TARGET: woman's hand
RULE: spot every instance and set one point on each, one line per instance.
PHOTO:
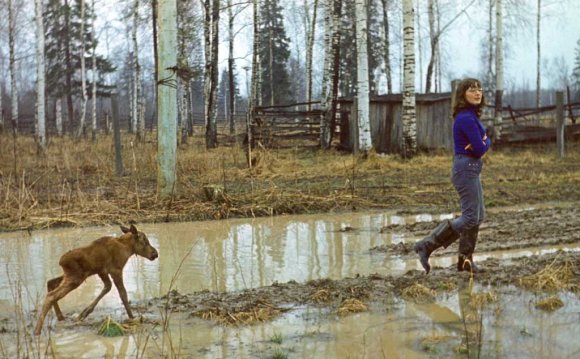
(470, 147)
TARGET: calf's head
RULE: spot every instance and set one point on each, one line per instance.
(141, 244)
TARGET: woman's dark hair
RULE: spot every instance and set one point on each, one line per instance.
(459, 102)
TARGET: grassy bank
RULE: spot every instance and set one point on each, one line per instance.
(74, 182)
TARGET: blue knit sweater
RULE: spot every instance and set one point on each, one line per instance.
(468, 129)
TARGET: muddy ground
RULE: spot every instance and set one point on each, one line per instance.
(545, 227)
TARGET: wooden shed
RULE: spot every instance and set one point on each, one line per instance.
(434, 122)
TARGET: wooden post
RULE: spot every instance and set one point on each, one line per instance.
(353, 123)
(117, 135)
(560, 123)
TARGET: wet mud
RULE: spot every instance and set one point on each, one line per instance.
(501, 231)
(518, 229)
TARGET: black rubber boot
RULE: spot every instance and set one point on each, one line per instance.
(467, 242)
(442, 236)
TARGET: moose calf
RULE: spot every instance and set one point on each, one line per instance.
(105, 257)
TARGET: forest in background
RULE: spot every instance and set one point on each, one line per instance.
(227, 57)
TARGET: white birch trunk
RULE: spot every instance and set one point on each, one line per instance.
(538, 59)
(211, 26)
(408, 117)
(309, 51)
(498, 68)
(94, 78)
(364, 128)
(328, 26)
(58, 116)
(12, 59)
(82, 125)
(387, 54)
(231, 100)
(40, 77)
(167, 98)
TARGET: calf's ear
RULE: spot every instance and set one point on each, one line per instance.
(125, 229)
(134, 229)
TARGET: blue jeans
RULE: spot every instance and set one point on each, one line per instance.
(465, 176)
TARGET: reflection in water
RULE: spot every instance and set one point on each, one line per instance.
(237, 254)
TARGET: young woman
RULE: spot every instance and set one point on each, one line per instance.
(470, 144)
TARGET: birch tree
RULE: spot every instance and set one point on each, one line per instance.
(211, 33)
(364, 127)
(498, 68)
(81, 129)
(94, 78)
(329, 98)
(538, 58)
(40, 77)
(408, 116)
(256, 78)
(387, 46)
(12, 59)
(166, 97)
(310, 48)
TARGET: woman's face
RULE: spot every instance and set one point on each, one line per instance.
(473, 95)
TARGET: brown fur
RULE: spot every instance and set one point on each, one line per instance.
(105, 257)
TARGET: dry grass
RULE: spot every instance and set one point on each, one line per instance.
(550, 304)
(479, 300)
(74, 182)
(320, 296)
(261, 312)
(558, 275)
(351, 305)
(419, 293)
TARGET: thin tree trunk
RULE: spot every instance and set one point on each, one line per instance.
(408, 116)
(231, 87)
(211, 27)
(1, 112)
(255, 87)
(155, 48)
(327, 125)
(309, 51)
(58, 116)
(13, 86)
(40, 77)
(139, 120)
(433, 35)
(489, 92)
(364, 128)
(538, 59)
(419, 43)
(387, 54)
(498, 69)
(167, 99)
(69, 68)
(81, 129)
(94, 78)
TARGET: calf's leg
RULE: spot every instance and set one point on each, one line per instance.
(52, 285)
(88, 310)
(118, 280)
(66, 286)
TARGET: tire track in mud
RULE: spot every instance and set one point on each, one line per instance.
(501, 231)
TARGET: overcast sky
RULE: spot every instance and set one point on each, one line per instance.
(560, 33)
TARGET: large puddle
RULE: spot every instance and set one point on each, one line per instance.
(238, 254)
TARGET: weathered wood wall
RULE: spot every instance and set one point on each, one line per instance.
(434, 123)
